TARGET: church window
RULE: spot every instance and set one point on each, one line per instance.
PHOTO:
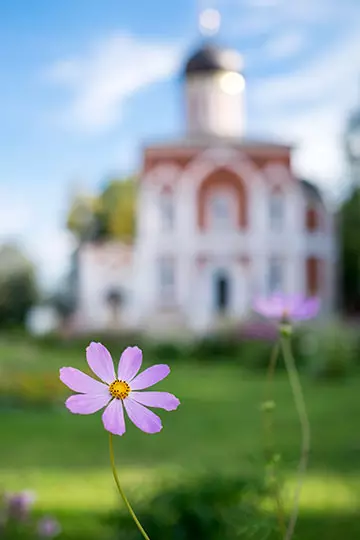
(275, 276)
(222, 202)
(167, 211)
(276, 211)
(221, 211)
(312, 276)
(312, 218)
(166, 280)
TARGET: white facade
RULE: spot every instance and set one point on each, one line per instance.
(105, 287)
(215, 104)
(219, 221)
(201, 259)
(173, 277)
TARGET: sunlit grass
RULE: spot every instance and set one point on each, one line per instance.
(218, 428)
(93, 489)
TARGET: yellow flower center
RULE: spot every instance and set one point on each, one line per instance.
(119, 389)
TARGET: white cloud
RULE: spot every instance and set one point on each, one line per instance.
(15, 215)
(285, 45)
(328, 74)
(318, 146)
(101, 79)
(259, 3)
(46, 245)
(50, 249)
(309, 106)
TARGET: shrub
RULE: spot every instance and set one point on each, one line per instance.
(331, 352)
(18, 521)
(216, 347)
(212, 508)
(169, 351)
(255, 355)
(31, 390)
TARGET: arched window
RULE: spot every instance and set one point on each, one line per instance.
(222, 292)
(275, 278)
(114, 299)
(312, 217)
(221, 211)
(222, 196)
(167, 210)
(166, 280)
(313, 268)
(276, 210)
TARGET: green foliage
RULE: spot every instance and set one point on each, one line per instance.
(255, 355)
(330, 352)
(111, 214)
(218, 427)
(26, 389)
(118, 201)
(350, 250)
(169, 351)
(216, 347)
(18, 522)
(85, 218)
(18, 291)
(212, 508)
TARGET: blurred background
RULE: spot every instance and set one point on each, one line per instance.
(162, 165)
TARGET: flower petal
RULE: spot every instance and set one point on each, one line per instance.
(150, 376)
(272, 307)
(100, 362)
(86, 403)
(80, 382)
(113, 418)
(130, 363)
(161, 400)
(144, 419)
(308, 309)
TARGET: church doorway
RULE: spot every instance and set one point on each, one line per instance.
(222, 292)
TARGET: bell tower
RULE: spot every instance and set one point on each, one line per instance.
(214, 85)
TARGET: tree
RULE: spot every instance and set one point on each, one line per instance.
(350, 250)
(118, 201)
(86, 218)
(111, 214)
(18, 291)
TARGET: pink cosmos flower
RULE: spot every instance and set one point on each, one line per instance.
(293, 307)
(19, 504)
(48, 528)
(120, 390)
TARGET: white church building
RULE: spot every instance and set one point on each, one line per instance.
(220, 220)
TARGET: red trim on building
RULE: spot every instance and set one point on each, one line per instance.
(314, 276)
(221, 178)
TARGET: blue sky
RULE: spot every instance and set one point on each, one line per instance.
(84, 82)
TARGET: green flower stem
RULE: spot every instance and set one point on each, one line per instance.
(124, 498)
(268, 407)
(304, 422)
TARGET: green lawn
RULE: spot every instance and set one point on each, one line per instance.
(64, 457)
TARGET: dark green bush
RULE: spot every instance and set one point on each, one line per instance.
(331, 352)
(213, 508)
(216, 347)
(255, 355)
(169, 351)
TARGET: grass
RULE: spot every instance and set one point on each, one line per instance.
(64, 457)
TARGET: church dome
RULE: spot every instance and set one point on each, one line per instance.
(311, 191)
(211, 58)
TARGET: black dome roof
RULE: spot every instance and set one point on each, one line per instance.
(310, 190)
(210, 58)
